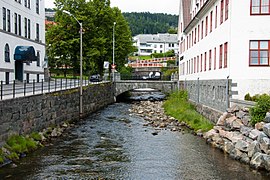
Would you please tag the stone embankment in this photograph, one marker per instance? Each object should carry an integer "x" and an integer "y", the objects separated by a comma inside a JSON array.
[{"x": 234, "y": 135}]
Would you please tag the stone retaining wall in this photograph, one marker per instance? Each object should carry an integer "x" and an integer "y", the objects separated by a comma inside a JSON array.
[{"x": 26, "y": 114}]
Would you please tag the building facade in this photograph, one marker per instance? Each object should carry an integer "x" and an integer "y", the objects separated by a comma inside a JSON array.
[
  {"x": 222, "y": 39},
  {"x": 155, "y": 43},
  {"x": 22, "y": 33}
]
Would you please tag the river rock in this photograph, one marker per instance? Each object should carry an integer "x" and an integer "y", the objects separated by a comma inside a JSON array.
[
  {"x": 222, "y": 119},
  {"x": 246, "y": 119},
  {"x": 234, "y": 136},
  {"x": 259, "y": 126},
  {"x": 244, "y": 158},
  {"x": 234, "y": 108},
  {"x": 240, "y": 114},
  {"x": 257, "y": 161},
  {"x": 266, "y": 129},
  {"x": 245, "y": 130},
  {"x": 265, "y": 144},
  {"x": 267, "y": 117},
  {"x": 236, "y": 124},
  {"x": 162, "y": 125},
  {"x": 253, "y": 148},
  {"x": 254, "y": 134},
  {"x": 242, "y": 145},
  {"x": 228, "y": 146},
  {"x": 229, "y": 121},
  {"x": 236, "y": 154},
  {"x": 209, "y": 134}
]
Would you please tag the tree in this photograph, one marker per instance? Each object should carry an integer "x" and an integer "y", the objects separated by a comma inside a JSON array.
[{"x": 97, "y": 18}]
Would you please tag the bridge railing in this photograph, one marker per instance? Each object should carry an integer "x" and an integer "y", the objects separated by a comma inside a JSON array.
[{"x": 146, "y": 78}]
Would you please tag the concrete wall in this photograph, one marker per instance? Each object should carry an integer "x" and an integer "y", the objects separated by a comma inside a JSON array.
[{"x": 33, "y": 113}]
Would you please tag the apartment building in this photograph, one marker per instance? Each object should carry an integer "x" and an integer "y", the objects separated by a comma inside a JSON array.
[
  {"x": 22, "y": 47},
  {"x": 155, "y": 43},
  {"x": 222, "y": 39}
]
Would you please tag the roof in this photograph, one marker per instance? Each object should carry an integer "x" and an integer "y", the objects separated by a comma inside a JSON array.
[{"x": 156, "y": 38}]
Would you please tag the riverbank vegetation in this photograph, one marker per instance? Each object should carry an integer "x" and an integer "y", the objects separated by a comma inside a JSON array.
[{"x": 177, "y": 106}]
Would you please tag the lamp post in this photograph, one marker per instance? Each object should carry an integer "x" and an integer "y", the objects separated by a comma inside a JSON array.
[
  {"x": 113, "y": 50},
  {"x": 67, "y": 12}
]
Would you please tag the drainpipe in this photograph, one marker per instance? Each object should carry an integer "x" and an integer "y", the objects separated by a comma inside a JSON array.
[{"x": 227, "y": 93}]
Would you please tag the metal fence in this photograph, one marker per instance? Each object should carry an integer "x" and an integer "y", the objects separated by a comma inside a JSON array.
[{"x": 14, "y": 89}]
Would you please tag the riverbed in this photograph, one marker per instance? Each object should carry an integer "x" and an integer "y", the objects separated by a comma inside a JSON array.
[{"x": 115, "y": 144}]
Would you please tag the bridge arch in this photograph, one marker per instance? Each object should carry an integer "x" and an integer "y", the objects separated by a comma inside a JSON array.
[{"x": 163, "y": 86}]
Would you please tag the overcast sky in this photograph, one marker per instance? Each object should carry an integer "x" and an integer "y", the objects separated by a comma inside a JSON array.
[{"x": 153, "y": 6}]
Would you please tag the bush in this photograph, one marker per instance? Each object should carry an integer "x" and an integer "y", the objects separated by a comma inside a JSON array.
[{"x": 259, "y": 110}]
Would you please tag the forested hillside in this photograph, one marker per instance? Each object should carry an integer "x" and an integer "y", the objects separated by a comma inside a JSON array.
[{"x": 151, "y": 23}]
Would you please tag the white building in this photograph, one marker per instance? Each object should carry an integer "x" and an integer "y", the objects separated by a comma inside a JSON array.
[
  {"x": 22, "y": 33},
  {"x": 222, "y": 39},
  {"x": 155, "y": 43}
]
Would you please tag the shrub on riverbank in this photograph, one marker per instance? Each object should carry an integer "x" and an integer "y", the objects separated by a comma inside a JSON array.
[{"x": 177, "y": 106}]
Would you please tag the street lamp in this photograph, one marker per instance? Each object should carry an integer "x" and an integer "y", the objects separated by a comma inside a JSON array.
[
  {"x": 113, "y": 50},
  {"x": 67, "y": 12}
]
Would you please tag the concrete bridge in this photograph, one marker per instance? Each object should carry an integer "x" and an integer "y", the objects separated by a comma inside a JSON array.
[{"x": 127, "y": 85}]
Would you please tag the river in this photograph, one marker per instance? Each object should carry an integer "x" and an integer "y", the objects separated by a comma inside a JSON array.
[{"x": 114, "y": 144}]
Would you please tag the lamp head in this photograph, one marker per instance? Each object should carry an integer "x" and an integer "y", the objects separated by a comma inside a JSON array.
[{"x": 114, "y": 23}]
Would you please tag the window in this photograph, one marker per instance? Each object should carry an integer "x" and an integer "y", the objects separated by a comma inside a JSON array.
[
  {"x": 38, "y": 58},
  {"x": 215, "y": 58},
  {"x": 192, "y": 40},
  {"x": 15, "y": 23},
  {"x": 220, "y": 55},
  {"x": 194, "y": 64},
  {"x": 4, "y": 19},
  {"x": 25, "y": 27},
  {"x": 210, "y": 59},
  {"x": 29, "y": 29},
  {"x": 7, "y": 77},
  {"x": 221, "y": 11},
  {"x": 8, "y": 21},
  {"x": 201, "y": 61},
  {"x": 37, "y": 6},
  {"x": 172, "y": 45},
  {"x": 28, "y": 4},
  {"x": 202, "y": 31},
  {"x": 187, "y": 42},
  {"x": 226, "y": 9},
  {"x": 259, "y": 7},
  {"x": 160, "y": 46},
  {"x": 195, "y": 35},
  {"x": 206, "y": 26},
  {"x": 205, "y": 59},
  {"x": 7, "y": 53},
  {"x": 216, "y": 18},
  {"x": 225, "y": 54},
  {"x": 20, "y": 24},
  {"x": 37, "y": 32},
  {"x": 37, "y": 78},
  {"x": 198, "y": 63},
  {"x": 211, "y": 21},
  {"x": 25, "y": 3},
  {"x": 259, "y": 53},
  {"x": 198, "y": 33}
]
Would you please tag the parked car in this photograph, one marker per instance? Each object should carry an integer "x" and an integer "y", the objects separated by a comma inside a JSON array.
[{"x": 95, "y": 78}]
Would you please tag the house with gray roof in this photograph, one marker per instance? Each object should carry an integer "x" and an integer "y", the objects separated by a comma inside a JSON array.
[{"x": 155, "y": 43}]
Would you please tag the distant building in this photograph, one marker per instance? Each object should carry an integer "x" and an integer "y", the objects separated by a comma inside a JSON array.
[
  {"x": 222, "y": 39},
  {"x": 155, "y": 43},
  {"x": 22, "y": 33}
]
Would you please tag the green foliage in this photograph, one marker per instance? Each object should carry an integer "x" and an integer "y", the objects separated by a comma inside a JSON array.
[
  {"x": 172, "y": 30},
  {"x": 169, "y": 53},
  {"x": 177, "y": 105},
  {"x": 151, "y": 23},
  {"x": 262, "y": 106},
  {"x": 1, "y": 156},
  {"x": 98, "y": 19},
  {"x": 13, "y": 156},
  {"x": 20, "y": 144},
  {"x": 168, "y": 72},
  {"x": 251, "y": 98},
  {"x": 36, "y": 136},
  {"x": 126, "y": 72}
]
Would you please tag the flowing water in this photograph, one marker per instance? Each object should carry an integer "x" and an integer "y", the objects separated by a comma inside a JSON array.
[{"x": 113, "y": 144}]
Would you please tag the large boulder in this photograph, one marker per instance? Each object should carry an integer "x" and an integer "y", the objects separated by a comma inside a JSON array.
[
  {"x": 253, "y": 148},
  {"x": 254, "y": 134},
  {"x": 257, "y": 161},
  {"x": 209, "y": 134},
  {"x": 245, "y": 130},
  {"x": 234, "y": 136},
  {"x": 266, "y": 129},
  {"x": 265, "y": 144},
  {"x": 267, "y": 117},
  {"x": 236, "y": 154},
  {"x": 242, "y": 145},
  {"x": 259, "y": 126}
]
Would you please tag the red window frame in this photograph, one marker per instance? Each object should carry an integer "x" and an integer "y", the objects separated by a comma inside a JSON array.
[
  {"x": 198, "y": 63},
  {"x": 216, "y": 16},
  {"x": 192, "y": 38},
  {"x": 205, "y": 59},
  {"x": 194, "y": 64},
  {"x": 259, "y": 8},
  {"x": 189, "y": 40},
  {"x": 211, "y": 21},
  {"x": 206, "y": 26},
  {"x": 210, "y": 59},
  {"x": 220, "y": 55},
  {"x": 221, "y": 11},
  {"x": 225, "y": 54},
  {"x": 226, "y": 9},
  {"x": 195, "y": 35},
  {"x": 198, "y": 33},
  {"x": 215, "y": 58},
  {"x": 202, "y": 31},
  {"x": 259, "y": 51},
  {"x": 201, "y": 61}
]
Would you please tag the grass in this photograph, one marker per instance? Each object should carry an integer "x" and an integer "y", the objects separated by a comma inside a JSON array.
[
  {"x": 19, "y": 144},
  {"x": 177, "y": 106}
]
